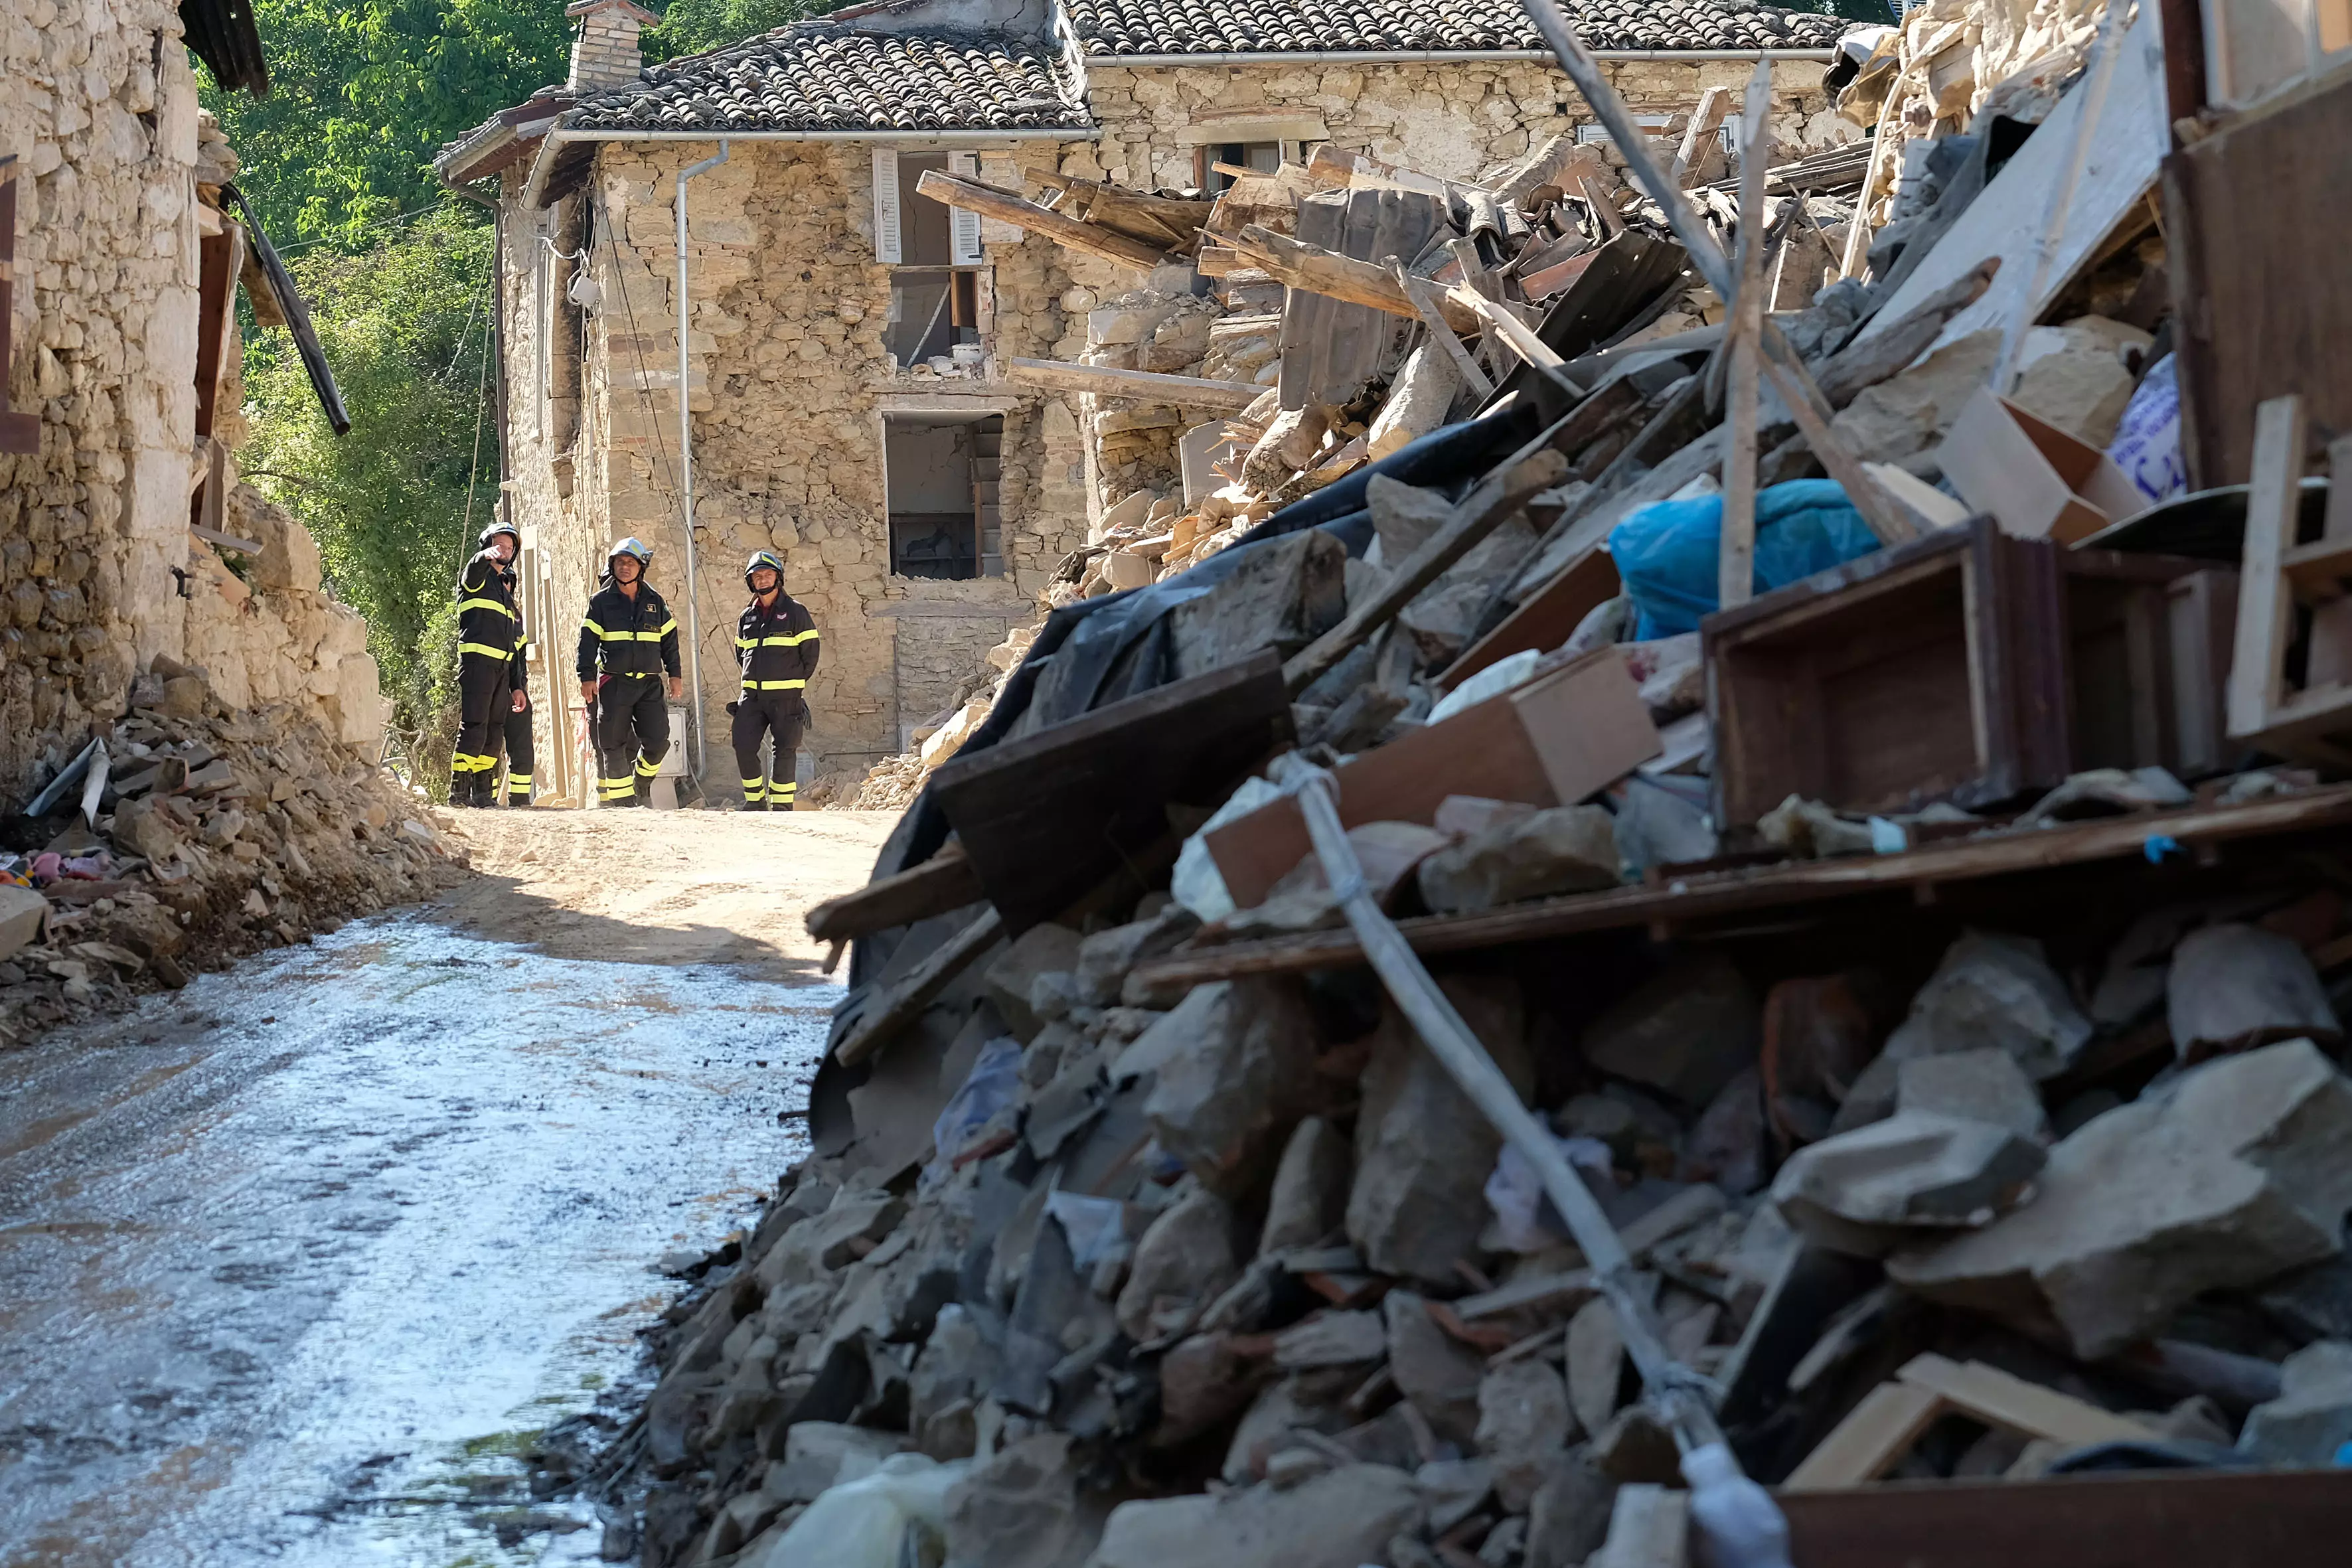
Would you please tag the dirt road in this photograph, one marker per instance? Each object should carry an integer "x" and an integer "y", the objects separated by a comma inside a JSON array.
[{"x": 292, "y": 1262}]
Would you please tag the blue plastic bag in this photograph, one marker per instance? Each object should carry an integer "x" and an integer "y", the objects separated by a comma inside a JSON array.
[{"x": 1666, "y": 552}]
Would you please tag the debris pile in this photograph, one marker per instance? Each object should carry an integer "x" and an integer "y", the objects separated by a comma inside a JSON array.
[
  {"x": 187, "y": 835},
  {"x": 1885, "y": 833}
]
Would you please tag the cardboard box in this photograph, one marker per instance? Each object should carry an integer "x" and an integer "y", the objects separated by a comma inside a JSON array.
[
  {"x": 2036, "y": 480},
  {"x": 1552, "y": 741}
]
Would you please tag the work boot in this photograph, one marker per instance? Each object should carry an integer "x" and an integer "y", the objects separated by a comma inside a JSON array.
[{"x": 645, "y": 795}]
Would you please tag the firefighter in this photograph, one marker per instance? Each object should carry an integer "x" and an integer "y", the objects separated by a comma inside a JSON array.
[
  {"x": 489, "y": 631},
  {"x": 776, "y": 644},
  {"x": 628, "y": 658}
]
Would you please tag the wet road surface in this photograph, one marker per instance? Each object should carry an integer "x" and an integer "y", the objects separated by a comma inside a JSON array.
[{"x": 291, "y": 1261}]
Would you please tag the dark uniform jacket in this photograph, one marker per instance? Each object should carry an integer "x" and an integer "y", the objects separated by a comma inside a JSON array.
[
  {"x": 776, "y": 645},
  {"x": 489, "y": 624},
  {"x": 621, "y": 637}
]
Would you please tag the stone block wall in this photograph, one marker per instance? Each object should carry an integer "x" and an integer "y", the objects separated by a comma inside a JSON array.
[
  {"x": 787, "y": 385},
  {"x": 101, "y": 113},
  {"x": 1451, "y": 118}
]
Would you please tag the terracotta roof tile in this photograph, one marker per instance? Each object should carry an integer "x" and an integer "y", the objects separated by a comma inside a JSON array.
[
  {"x": 1109, "y": 28},
  {"x": 819, "y": 76}
]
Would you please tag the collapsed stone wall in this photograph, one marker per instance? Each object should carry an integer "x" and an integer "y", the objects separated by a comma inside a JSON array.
[{"x": 116, "y": 162}]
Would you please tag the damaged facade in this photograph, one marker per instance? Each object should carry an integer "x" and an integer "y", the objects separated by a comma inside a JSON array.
[
  {"x": 851, "y": 337},
  {"x": 180, "y": 694}
]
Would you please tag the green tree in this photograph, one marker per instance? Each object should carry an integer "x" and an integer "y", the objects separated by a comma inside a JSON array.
[
  {"x": 690, "y": 27},
  {"x": 395, "y": 503},
  {"x": 364, "y": 92}
]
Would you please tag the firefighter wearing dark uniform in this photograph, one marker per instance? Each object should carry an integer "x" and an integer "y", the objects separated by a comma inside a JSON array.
[
  {"x": 518, "y": 721},
  {"x": 628, "y": 644},
  {"x": 775, "y": 642},
  {"x": 489, "y": 634}
]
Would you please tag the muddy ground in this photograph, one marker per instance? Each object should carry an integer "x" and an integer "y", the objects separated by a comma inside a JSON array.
[{"x": 294, "y": 1262}]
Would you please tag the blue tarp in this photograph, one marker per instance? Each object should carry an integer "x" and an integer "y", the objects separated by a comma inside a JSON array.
[{"x": 1665, "y": 553}]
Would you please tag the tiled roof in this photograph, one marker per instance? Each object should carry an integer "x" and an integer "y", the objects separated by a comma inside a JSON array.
[
  {"x": 1108, "y": 28},
  {"x": 820, "y": 76}
]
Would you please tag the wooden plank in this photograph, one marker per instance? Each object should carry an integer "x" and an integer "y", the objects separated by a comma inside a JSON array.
[
  {"x": 1048, "y": 816},
  {"x": 1007, "y": 208},
  {"x": 1545, "y": 619},
  {"x": 1565, "y": 1291},
  {"x": 1519, "y": 336},
  {"x": 1105, "y": 381},
  {"x": 1442, "y": 335},
  {"x": 2257, "y": 274},
  {"x": 903, "y": 1006},
  {"x": 1999, "y": 1399},
  {"x": 1875, "y": 1435},
  {"x": 220, "y": 261},
  {"x": 945, "y": 881},
  {"x": 1713, "y": 107},
  {"x": 1736, "y": 548},
  {"x": 1699, "y": 895},
  {"x": 1534, "y": 468},
  {"x": 1297, "y": 265},
  {"x": 2157, "y": 1519},
  {"x": 2258, "y": 662}
]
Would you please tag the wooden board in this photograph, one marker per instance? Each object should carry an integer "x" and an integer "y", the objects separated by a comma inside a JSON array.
[
  {"x": 1999, "y": 1399},
  {"x": 1048, "y": 817},
  {"x": 2170, "y": 1519},
  {"x": 1545, "y": 619},
  {"x": 2006, "y": 220},
  {"x": 945, "y": 881},
  {"x": 1870, "y": 1441},
  {"x": 1148, "y": 387},
  {"x": 1702, "y": 896},
  {"x": 2257, "y": 265},
  {"x": 1550, "y": 742}
]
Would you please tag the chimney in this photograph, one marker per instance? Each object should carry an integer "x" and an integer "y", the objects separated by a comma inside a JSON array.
[{"x": 605, "y": 56}]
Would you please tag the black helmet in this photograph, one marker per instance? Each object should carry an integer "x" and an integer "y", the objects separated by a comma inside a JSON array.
[
  {"x": 497, "y": 527},
  {"x": 767, "y": 558}
]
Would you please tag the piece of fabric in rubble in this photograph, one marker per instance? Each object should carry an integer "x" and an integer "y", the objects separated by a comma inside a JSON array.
[{"x": 1666, "y": 552}]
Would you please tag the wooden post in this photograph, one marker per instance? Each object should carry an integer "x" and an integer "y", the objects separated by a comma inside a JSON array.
[
  {"x": 1736, "y": 560},
  {"x": 1440, "y": 333},
  {"x": 2257, "y": 663},
  {"x": 1704, "y": 121},
  {"x": 1297, "y": 265}
]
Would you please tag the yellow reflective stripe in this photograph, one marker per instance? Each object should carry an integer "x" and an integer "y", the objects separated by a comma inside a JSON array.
[
  {"x": 647, "y": 769},
  {"x": 518, "y": 781},
  {"x": 486, "y": 650},
  {"x": 464, "y": 605},
  {"x": 747, "y": 642},
  {"x": 774, "y": 685},
  {"x": 669, "y": 626},
  {"x": 784, "y": 788},
  {"x": 588, "y": 625},
  {"x": 633, "y": 636},
  {"x": 782, "y": 642}
]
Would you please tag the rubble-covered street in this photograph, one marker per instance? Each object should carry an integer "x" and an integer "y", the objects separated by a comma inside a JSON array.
[{"x": 296, "y": 1262}]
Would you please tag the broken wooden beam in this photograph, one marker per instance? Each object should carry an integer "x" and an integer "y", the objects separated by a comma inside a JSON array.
[
  {"x": 1864, "y": 364},
  {"x": 946, "y": 881},
  {"x": 990, "y": 202},
  {"x": 905, "y": 1002},
  {"x": 1704, "y": 895},
  {"x": 1104, "y": 381},
  {"x": 1297, "y": 265},
  {"x": 1533, "y": 469}
]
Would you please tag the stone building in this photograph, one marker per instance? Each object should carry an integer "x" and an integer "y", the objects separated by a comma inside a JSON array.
[
  {"x": 845, "y": 335},
  {"x": 118, "y": 424}
]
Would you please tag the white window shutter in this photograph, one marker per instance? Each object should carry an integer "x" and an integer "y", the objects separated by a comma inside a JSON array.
[
  {"x": 886, "y": 205},
  {"x": 963, "y": 224}
]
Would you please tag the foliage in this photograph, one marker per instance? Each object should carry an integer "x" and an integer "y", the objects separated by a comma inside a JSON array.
[
  {"x": 690, "y": 27},
  {"x": 405, "y": 326},
  {"x": 364, "y": 92}
]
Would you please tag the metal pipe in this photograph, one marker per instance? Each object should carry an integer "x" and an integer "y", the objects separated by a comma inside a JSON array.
[{"x": 685, "y": 470}]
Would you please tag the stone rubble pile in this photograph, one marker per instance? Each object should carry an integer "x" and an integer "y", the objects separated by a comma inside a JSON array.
[
  {"x": 216, "y": 831},
  {"x": 1943, "y": 1007}
]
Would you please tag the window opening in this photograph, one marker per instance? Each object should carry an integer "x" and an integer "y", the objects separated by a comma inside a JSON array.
[
  {"x": 930, "y": 248},
  {"x": 1261, "y": 157},
  {"x": 942, "y": 477}
]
